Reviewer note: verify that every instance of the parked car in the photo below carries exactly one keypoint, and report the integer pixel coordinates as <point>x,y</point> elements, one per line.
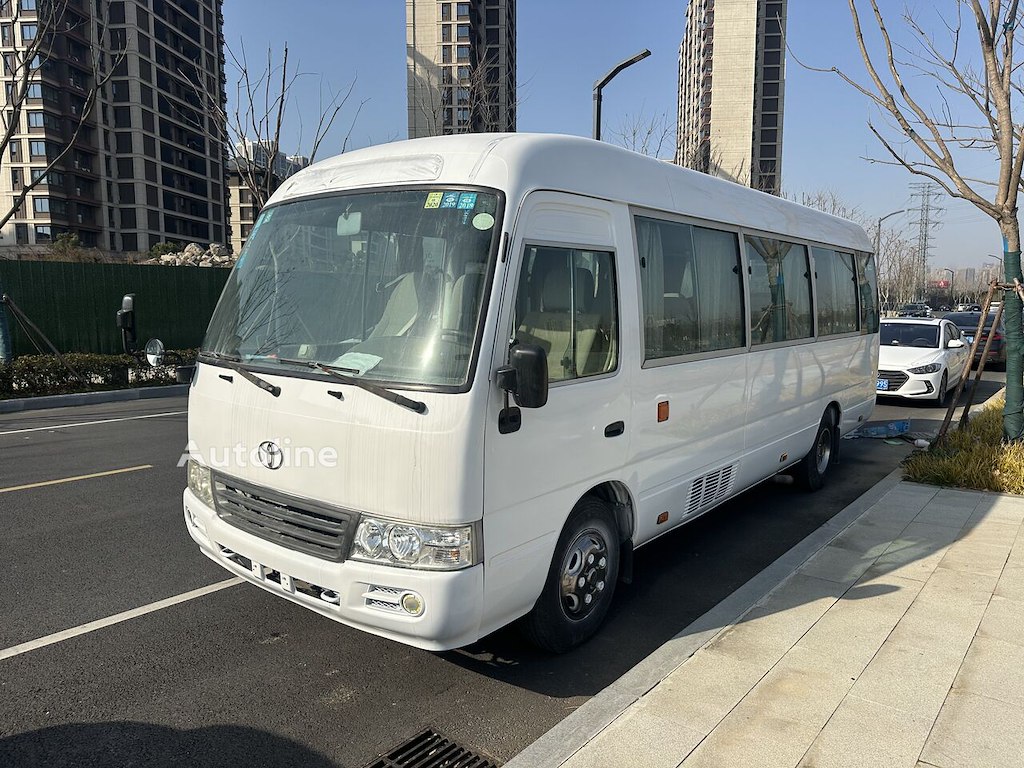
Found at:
<point>916,309</point>
<point>967,322</point>
<point>920,359</point>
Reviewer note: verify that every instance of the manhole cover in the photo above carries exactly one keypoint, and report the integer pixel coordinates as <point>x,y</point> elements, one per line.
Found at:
<point>429,749</point>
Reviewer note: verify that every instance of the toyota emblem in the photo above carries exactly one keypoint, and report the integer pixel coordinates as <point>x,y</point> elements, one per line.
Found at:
<point>270,454</point>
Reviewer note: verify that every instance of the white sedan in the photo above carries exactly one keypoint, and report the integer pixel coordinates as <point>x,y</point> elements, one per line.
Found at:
<point>920,358</point>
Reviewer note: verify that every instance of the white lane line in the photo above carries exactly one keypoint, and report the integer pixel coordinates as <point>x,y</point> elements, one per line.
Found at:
<point>117,618</point>
<point>90,423</point>
<point>76,477</point>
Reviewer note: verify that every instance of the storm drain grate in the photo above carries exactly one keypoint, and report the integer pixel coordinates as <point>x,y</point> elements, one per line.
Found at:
<point>429,749</point>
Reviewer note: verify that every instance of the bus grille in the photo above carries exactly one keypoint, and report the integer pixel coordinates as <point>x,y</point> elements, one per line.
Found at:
<point>896,379</point>
<point>298,524</point>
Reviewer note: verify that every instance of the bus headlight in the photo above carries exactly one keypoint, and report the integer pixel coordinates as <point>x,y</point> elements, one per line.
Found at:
<point>199,482</point>
<point>435,548</point>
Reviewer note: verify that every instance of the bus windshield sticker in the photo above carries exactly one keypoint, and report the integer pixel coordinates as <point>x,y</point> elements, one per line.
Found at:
<point>433,200</point>
<point>467,201</point>
<point>450,200</point>
<point>483,221</point>
<point>360,361</point>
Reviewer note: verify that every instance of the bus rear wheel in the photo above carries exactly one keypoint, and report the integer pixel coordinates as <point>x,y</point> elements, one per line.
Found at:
<point>811,471</point>
<point>581,580</point>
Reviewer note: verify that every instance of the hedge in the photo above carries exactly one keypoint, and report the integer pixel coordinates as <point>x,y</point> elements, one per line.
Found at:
<point>33,375</point>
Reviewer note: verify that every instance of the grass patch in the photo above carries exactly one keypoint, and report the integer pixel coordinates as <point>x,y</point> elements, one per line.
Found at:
<point>974,458</point>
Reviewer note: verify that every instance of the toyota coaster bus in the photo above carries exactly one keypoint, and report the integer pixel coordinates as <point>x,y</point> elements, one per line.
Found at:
<point>456,381</point>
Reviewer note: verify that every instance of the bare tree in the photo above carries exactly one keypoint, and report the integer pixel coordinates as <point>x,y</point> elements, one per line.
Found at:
<point>437,104</point>
<point>654,136</point>
<point>263,99</point>
<point>971,72</point>
<point>22,69</point>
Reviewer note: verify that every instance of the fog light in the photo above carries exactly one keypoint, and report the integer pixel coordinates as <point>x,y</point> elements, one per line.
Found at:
<point>412,603</point>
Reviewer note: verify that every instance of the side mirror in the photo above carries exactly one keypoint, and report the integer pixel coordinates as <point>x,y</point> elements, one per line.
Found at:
<point>126,322</point>
<point>526,375</point>
<point>955,344</point>
<point>155,352</point>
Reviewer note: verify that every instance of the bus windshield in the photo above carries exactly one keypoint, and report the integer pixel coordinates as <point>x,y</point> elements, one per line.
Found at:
<point>381,285</point>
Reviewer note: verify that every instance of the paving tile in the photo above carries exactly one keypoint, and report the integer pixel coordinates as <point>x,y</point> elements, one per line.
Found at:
<point>700,692</point>
<point>915,553</point>
<point>1003,620</point>
<point>867,537</point>
<point>753,739</point>
<point>772,627</point>
<point>864,733</point>
<point>975,732</point>
<point>856,626</point>
<point>971,586</point>
<point>939,627</point>
<point>994,669</point>
<point>946,513</point>
<point>640,739</point>
<point>840,564</point>
<point>989,532</point>
<point>1011,582</point>
<point>909,678</point>
<point>976,557</point>
<point>805,686</point>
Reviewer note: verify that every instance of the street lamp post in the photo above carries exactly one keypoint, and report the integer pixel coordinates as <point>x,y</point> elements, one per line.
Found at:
<point>878,231</point>
<point>952,276</point>
<point>605,80</point>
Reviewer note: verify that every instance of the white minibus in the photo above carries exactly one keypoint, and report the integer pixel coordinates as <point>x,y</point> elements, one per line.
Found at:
<point>456,381</point>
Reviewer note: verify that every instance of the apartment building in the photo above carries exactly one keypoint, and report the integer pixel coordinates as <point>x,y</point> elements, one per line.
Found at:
<point>147,164</point>
<point>461,66</point>
<point>731,90</point>
<point>243,208</point>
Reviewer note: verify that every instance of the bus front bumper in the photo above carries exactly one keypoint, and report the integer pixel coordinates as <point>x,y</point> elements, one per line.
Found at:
<point>373,598</point>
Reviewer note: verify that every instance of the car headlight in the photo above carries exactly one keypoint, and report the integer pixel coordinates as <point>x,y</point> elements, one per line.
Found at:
<point>199,482</point>
<point>930,368</point>
<point>435,548</point>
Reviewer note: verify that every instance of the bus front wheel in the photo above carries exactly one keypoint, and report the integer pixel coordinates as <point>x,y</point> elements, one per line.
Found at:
<point>581,580</point>
<point>813,467</point>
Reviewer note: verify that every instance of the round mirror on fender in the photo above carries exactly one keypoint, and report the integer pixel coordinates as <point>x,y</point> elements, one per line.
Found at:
<point>155,352</point>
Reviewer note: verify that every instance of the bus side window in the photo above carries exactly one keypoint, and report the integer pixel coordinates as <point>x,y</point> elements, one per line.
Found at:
<point>567,304</point>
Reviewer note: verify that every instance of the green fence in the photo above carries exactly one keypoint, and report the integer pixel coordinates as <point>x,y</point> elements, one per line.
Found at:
<point>75,304</point>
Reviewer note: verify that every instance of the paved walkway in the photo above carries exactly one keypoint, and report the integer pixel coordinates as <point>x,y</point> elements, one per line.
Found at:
<point>899,643</point>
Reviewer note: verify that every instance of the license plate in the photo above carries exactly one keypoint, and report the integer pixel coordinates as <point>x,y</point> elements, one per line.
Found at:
<point>882,384</point>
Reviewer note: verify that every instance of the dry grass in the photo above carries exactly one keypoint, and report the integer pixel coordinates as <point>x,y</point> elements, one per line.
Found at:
<point>974,458</point>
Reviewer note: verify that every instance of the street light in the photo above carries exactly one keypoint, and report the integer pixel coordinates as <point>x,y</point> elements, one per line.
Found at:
<point>605,80</point>
<point>878,232</point>
<point>952,275</point>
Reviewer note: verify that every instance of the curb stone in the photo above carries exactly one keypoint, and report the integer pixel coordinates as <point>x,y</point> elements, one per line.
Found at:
<point>91,398</point>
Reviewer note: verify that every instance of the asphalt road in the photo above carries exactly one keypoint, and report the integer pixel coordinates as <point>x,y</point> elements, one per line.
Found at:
<point>239,677</point>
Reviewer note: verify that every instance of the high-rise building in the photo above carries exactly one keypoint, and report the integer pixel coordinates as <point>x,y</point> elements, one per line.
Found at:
<point>731,89</point>
<point>147,165</point>
<point>242,205</point>
<point>461,66</point>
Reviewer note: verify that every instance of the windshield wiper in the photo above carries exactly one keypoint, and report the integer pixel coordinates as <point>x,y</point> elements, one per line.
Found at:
<point>339,373</point>
<point>232,362</point>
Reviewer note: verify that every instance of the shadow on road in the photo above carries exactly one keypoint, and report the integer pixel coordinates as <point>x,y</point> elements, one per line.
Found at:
<point>119,744</point>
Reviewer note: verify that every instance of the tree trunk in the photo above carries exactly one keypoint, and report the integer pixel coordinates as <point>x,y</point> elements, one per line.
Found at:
<point>1013,411</point>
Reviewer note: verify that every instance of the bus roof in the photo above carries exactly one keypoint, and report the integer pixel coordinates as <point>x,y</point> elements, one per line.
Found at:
<point>519,163</point>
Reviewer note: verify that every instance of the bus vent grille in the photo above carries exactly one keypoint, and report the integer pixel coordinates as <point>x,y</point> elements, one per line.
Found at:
<point>709,489</point>
<point>429,749</point>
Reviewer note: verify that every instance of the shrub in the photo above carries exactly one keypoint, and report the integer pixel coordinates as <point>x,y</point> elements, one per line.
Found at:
<point>975,457</point>
<point>33,375</point>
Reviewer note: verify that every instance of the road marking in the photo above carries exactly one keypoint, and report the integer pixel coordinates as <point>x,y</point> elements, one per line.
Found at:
<point>117,618</point>
<point>90,423</point>
<point>76,477</point>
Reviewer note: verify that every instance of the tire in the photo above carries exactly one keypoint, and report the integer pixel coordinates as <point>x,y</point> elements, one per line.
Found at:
<point>562,618</point>
<point>811,471</point>
<point>943,391</point>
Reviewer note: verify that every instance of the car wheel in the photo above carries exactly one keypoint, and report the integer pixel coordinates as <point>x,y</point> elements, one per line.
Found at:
<point>810,473</point>
<point>581,580</point>
<point>940,395</point>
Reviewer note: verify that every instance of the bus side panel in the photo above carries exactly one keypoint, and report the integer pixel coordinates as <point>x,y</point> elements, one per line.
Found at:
<point>702,435</point>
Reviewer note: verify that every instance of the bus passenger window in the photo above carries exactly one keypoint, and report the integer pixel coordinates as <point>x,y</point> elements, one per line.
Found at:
<point>691,288</point>
<point>567,304</point>
<point>780,290</point>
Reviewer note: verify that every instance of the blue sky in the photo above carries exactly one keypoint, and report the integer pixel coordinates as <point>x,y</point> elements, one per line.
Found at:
<point>565,45</point>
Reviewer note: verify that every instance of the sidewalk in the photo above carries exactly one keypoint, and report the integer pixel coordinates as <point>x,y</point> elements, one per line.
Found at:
<point>900,642</point>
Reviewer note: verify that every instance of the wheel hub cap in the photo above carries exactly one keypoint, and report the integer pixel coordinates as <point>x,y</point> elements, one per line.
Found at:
<point>584,574</point>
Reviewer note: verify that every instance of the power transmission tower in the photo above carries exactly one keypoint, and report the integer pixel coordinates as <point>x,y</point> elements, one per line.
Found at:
<point>928,193</point>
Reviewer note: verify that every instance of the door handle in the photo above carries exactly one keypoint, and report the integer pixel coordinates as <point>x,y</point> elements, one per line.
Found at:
<point>615,429</point>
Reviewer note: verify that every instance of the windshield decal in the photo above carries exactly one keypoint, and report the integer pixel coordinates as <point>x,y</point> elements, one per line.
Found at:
<point>483,221</point>
<point>450,200</point>
<point>467,201</point>
<point>433,200</point>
